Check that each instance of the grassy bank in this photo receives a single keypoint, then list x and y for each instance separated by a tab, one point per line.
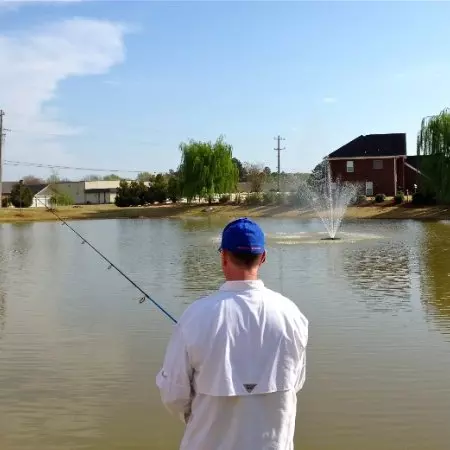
371	211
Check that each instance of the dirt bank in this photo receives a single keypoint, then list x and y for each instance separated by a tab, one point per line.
402	212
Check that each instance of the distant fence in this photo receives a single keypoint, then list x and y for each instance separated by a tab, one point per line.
233	197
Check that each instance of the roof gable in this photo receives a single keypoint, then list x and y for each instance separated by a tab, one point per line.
7	187
373	146
36	188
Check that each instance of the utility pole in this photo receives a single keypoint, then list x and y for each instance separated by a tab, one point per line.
1	156
278	149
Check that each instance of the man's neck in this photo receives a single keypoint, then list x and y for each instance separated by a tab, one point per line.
243	277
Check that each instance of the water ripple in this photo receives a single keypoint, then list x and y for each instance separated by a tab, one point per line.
78	354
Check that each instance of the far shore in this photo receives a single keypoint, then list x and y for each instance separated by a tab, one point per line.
183	211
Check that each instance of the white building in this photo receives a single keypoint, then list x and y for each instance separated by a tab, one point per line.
81	192
100	192
73	189
41	198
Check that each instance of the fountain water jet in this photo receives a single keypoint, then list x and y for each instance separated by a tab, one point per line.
328	198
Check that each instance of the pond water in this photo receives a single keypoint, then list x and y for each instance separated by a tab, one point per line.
79	354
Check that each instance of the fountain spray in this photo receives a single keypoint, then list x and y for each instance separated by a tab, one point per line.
328	198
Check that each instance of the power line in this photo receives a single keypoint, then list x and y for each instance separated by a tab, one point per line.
278	149
52	166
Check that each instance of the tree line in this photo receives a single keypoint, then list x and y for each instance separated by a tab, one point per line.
206	170
55	178
209	169
163	187
433	150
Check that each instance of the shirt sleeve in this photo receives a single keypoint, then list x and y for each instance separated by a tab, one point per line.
302	342
175	378
301	376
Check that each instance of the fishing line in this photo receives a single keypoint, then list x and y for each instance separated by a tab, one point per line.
111	264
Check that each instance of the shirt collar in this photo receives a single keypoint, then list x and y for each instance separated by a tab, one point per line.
242	285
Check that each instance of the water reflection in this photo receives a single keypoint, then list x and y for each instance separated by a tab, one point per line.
3	266
435	273
196	224
63	363
78	356
2	312
22	241
380	274
279	257
202	273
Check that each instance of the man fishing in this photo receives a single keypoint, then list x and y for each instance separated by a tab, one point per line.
236	359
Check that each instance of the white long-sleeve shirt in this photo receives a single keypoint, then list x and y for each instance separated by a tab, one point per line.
233	367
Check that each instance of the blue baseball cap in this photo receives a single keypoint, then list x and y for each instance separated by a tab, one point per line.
243	236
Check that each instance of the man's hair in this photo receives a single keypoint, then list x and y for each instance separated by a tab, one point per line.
246	260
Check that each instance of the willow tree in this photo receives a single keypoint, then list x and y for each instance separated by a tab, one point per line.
433	149
207	168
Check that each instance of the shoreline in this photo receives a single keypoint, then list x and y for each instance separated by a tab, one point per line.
182	211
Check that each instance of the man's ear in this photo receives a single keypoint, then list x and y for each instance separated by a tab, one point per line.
263	258
223	258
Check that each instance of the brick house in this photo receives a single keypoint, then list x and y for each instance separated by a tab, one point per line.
378	161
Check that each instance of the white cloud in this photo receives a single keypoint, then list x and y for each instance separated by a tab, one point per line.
33	63
329	99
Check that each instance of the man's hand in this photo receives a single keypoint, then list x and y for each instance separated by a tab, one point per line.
175	378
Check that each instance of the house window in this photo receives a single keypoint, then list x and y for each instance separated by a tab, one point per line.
350	166
377	164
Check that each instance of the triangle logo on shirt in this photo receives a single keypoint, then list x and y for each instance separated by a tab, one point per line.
249	387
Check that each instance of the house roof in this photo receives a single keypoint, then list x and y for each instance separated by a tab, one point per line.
372	146
7	186
34	188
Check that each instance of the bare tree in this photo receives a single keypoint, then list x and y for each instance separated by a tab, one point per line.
256	176
31	179
92	178
145	176
54	177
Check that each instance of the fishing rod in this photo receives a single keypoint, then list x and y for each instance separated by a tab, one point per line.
112	265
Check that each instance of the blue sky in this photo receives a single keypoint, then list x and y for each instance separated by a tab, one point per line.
121	84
